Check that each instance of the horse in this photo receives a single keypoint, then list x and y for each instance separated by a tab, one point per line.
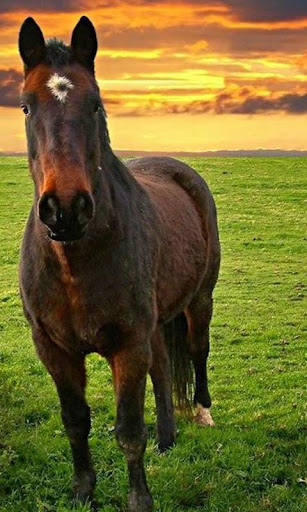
117	259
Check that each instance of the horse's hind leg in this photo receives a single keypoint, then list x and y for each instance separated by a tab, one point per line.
68	373
160	373
199	314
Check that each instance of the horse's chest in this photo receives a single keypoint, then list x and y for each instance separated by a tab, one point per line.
77	318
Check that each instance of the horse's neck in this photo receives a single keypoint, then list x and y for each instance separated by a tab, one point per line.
124	190
119	175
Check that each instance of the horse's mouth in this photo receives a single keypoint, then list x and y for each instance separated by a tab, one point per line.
66	236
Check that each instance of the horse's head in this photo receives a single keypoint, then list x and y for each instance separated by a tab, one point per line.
64	114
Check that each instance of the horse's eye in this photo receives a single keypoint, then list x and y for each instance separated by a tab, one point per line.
25	110
97	107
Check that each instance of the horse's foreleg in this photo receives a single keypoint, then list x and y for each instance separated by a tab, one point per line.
160	373
68	373
130	367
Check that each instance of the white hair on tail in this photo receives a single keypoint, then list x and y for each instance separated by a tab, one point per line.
59	86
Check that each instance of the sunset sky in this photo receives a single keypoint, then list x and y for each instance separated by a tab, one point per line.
186	75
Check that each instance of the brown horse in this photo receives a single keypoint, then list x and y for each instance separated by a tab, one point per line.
116	259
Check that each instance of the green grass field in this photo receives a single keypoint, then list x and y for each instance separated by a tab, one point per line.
255	459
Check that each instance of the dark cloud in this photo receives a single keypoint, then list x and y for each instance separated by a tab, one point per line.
267	10
224	103
10	85
39	6
244	10
289	103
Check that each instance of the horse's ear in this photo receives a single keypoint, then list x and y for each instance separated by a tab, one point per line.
84	43
31	43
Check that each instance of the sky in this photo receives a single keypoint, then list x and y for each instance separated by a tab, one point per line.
178	75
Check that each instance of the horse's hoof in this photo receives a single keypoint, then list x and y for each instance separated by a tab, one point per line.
82	498
165	444
140	502
85	500
203	416
83	487
94	506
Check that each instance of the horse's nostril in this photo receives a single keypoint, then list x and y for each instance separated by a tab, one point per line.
49	210
66	219
83	208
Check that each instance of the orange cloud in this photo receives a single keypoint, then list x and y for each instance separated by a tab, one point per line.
302	63
248	101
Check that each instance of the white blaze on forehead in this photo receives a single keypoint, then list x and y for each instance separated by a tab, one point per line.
59	86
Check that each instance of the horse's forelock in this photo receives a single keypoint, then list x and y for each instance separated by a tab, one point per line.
58	54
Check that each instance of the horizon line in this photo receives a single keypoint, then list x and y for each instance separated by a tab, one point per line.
218	152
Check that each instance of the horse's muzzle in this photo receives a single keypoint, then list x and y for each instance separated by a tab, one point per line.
66	223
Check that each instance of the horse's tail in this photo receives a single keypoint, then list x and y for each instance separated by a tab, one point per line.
175	333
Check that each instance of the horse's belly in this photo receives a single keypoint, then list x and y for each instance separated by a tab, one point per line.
183	250
181	271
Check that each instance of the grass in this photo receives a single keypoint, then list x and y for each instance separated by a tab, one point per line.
255	458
